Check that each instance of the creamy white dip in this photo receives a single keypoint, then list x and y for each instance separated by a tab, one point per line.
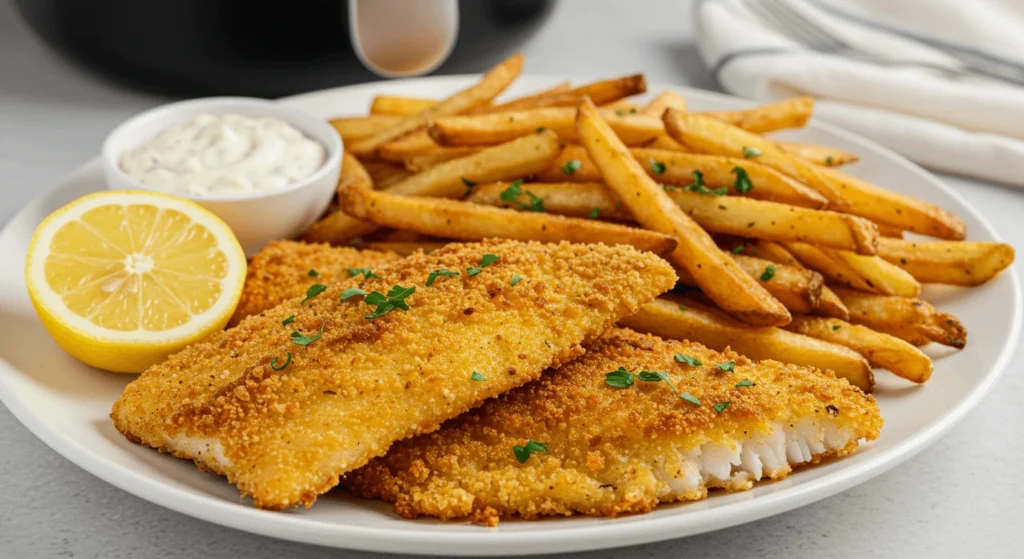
224	154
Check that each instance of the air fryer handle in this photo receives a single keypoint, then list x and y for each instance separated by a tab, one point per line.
401	38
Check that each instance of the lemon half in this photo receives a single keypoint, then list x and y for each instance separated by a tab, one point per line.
122	279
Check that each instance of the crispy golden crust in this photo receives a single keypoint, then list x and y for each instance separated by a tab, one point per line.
281	271
285	437
602	441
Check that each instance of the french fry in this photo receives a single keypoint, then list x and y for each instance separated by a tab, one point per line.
385	174
423	161
883	277
601	92
881	350
889	231
353	128
845	193
666	99
399	105
621	107
665	142
465	221
912	320
717	274
790	113
732	215
819	155
716	171
416	143
507	161
492	84
828	304
674	317
492	128
950	262
828	264
796	288
339	227
402	247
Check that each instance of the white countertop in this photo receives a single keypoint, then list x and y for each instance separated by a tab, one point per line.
941	503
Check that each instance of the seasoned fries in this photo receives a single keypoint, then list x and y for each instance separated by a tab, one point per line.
791	113
353	128
844	192
483	92
664	100
819	155
462	220
881	350
682	318
339	227
399	105
716	273
676	168
880	275
955	263
476	130
912	320
796	288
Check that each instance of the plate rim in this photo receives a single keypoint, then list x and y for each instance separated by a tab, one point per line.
496	542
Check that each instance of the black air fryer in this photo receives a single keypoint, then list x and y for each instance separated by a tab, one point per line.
265	49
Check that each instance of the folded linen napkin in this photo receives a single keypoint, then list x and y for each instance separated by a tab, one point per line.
939	81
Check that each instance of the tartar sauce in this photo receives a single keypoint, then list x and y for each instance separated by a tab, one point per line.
224	154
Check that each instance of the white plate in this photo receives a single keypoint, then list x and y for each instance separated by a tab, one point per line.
66	404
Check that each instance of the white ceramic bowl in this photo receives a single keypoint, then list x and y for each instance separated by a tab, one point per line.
255	217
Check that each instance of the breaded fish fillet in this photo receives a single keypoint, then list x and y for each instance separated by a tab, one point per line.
615	450
283	431
280	271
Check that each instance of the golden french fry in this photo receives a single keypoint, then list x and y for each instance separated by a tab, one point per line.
845	193
881	350
674	317
666	99
951	262
819	155
402	247
790	113
576	199
828	264
352	128
416	143
462	220
732	215
912	320
889	231
828	304
676	168
507	161
797	289
385	174
883	277
423	161
665	142
717	274
621	107
399	105
492	128
339	227
493	83
604	91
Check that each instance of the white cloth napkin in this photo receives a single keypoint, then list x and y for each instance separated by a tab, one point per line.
939	81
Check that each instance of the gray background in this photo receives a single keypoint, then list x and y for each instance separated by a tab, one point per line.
958	498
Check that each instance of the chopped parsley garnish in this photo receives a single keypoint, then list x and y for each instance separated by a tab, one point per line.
313	291
728	366
656	376
749	152
684	308
477	376
352	292
365	272
571	166
739	249
532	447
468	182
668	188
742	184
720	406
594	213
273	363
769	272
744	382
288	320
683	358
699	188
442	272
619	378
515	190
690	398
657	166
312	273
828	160
836	327
299	339
486	261
540	129
395	299
516	278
